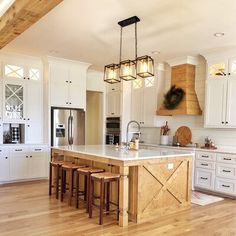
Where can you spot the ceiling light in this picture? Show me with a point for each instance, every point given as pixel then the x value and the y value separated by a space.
pixel 219 34
pixel 129 69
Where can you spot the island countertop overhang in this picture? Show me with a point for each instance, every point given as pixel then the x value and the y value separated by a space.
pixel 121 157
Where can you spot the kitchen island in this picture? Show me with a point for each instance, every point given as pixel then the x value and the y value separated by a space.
pixel 153 183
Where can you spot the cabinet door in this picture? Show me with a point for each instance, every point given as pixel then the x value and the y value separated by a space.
pixel 33 133
pixel 4 165
pixel 136 105
pixel 1 100
pixel 18 166
pixel 205 178
pixel 231 104
pixel 37 165
pixel 215 106
pixel 14 101
pixel 232 67
pixel 59 86
pixel 113 104
pixel 77 87
pixel 149 105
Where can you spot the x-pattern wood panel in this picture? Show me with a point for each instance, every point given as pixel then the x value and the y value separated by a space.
pixel 160 184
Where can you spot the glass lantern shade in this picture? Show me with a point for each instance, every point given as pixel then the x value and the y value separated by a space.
pixel 128 70
pixel 145 66
pixel 111 73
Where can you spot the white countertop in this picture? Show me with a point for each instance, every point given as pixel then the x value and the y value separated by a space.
pixel 111 152
pixel 220 149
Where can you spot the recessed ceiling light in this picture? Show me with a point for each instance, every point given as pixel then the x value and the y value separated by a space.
pixel 155 52
pixel 219 34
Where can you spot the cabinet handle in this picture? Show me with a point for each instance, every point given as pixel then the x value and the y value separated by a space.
pixel 113 89
pixel 112 113
pixel 28 125
pixel 202 164
pixel 6 157
pixel 0 150
pixel 205 156
pixel 225 186
pixel 203 178
pixel 37 149
pixel 226 171
pixel 227 159
pixel 18 150
pixel 28 78
pixel 26 156
pixel 30 156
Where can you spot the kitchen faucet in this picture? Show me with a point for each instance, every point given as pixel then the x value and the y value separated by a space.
pixel 127 130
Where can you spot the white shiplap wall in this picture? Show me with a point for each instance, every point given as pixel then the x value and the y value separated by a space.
pixel 222 137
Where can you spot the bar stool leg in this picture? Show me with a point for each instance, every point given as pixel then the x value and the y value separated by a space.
pixel 88 183
pixel 85 188
pixel 57 181
pixel 91 190
pixel 62 184
pixel 108 198
pixel 70 186
pixel 50 179
pixel 101 201
pixel 77 191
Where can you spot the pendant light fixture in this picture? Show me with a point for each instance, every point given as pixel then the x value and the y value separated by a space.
pixel 129 69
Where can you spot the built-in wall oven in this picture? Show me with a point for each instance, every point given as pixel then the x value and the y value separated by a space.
pixel 113 130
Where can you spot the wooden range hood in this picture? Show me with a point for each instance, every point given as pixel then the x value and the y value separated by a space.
pixel 183 76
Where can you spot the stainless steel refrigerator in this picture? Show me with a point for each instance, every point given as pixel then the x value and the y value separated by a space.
pixel 67 127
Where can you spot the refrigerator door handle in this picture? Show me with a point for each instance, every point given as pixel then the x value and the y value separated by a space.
pixel 69 130
pixel 71 133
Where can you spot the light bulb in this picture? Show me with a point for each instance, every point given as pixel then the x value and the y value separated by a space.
pixel 144 67
pixel 126 70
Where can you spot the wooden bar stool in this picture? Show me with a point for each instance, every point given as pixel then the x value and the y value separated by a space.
pixel 86 172
pixel 56 166
pixel 70 169
pixel 105 179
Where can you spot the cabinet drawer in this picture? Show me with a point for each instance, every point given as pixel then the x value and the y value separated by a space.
pixel 206 156
pixel 225 186
pixel 226 158
pixel 19 150
pixel 226 170
pixel 204 178
pixel 205 164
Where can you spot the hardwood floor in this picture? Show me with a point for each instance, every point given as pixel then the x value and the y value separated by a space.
pixel 26 209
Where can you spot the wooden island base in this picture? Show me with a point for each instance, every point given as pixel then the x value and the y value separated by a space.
pixel 148 188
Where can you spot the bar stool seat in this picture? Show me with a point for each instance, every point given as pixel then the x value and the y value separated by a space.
pixel 105 179
pixel 56 164
pixel 86 172
pixel 70 168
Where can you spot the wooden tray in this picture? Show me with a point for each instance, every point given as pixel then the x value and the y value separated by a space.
pixel 184 135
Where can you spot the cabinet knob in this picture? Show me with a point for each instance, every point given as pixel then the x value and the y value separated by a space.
pixel 229 73
pixel 226 122
pixel 66 102
pixel 70 82
pixel 6 157
pixel 28 125
pixel 70 103
pixel 28 78
pixel 30 156
pixel 24 78
pixel 24 119
pixel 222 122
pixel 66 81
pixel 26 156
pixel 28 119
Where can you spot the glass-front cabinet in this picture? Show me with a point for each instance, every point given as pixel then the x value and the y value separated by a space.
pixel 222 68
pixel 14 101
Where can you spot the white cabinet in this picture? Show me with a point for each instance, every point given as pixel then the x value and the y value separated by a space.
pixel 113 104
pixel 4 165
pixel 220 108
pixel 1 100
pixel 144 101
pixel 216 172
pixel 68 83
pixel 28 163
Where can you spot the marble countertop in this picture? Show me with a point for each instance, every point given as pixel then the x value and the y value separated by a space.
pixel 111 152
pixel 220 149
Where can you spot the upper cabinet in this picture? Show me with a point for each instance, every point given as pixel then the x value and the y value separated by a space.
pixel 220 106
pixel 144 101
pixel 113 99
pixel 67 83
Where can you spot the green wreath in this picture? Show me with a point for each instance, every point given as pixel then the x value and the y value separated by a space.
pixel 173 97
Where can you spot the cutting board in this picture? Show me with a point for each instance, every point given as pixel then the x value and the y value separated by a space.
pixel 184 135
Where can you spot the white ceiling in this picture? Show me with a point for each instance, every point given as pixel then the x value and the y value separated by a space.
pixel 87 30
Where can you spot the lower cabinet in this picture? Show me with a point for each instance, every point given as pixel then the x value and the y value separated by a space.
pixel 216 172
pixel 21 163
pixel 4 165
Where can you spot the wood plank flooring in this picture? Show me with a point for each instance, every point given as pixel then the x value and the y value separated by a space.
pixel 26 209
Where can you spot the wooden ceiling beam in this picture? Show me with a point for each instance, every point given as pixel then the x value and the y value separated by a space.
pixel 21 15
